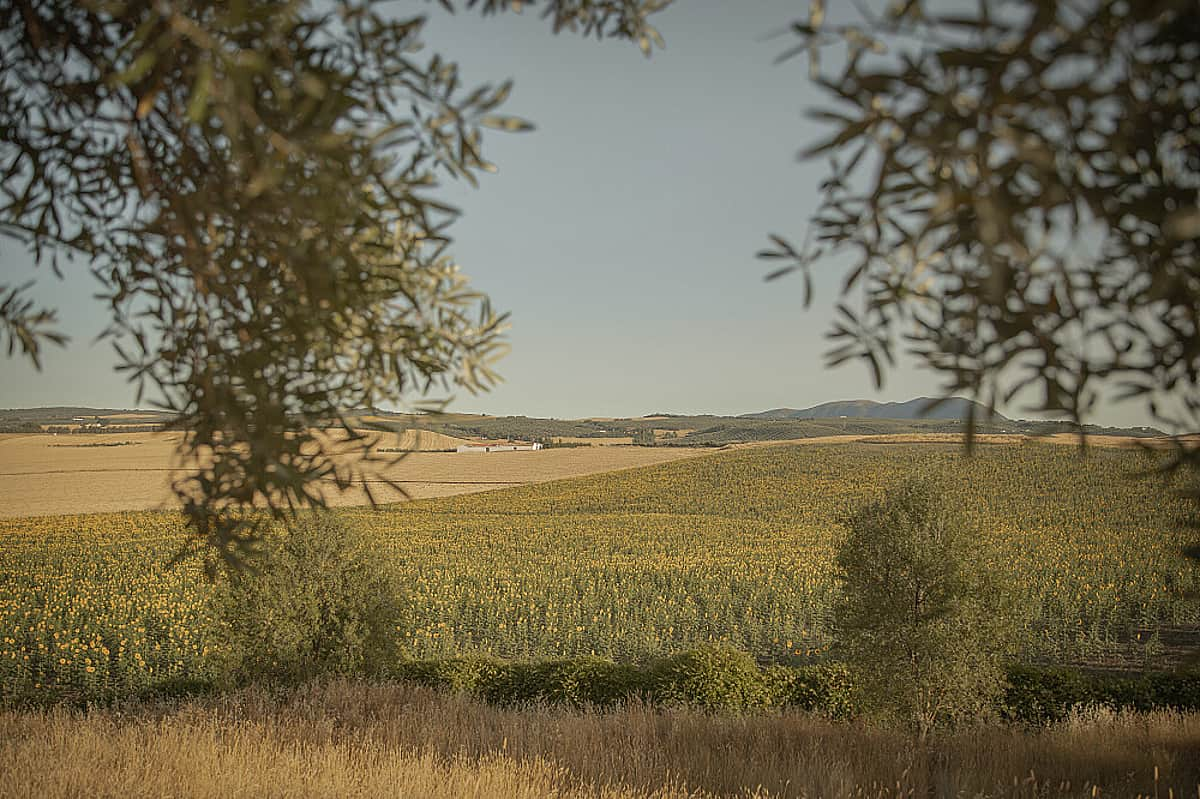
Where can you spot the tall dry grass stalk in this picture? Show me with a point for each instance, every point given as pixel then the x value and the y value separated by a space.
pixel 355 739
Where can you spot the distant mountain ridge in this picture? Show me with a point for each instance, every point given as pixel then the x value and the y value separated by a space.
pixel 956 408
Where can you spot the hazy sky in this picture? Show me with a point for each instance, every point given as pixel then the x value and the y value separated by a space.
pixel 620 234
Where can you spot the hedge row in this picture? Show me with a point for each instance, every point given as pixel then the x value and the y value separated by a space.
pixel 1049 694
pixel 712 678
pixel 724 679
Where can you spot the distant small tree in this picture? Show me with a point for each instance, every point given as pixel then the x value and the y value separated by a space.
pixel 643 437
pixel 923 626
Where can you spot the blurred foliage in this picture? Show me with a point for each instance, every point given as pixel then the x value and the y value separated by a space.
pixel 26 326
pixel 255 187
pixel 1016 186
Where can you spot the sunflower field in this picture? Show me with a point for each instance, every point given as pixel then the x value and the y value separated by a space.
pixel 731 547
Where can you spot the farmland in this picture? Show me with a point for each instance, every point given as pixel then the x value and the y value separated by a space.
pixel 733 546
pixel 45 474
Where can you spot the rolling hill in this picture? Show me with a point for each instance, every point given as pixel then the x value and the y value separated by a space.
pixel 955 408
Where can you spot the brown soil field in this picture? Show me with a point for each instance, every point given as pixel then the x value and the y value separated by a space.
pixel 47 474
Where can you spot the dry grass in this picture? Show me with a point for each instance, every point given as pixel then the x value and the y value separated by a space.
pixel 99 759
pixel 38 477
pixel 351 739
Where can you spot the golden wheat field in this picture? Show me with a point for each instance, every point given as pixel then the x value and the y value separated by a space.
pixel 81 473
pixel 733 547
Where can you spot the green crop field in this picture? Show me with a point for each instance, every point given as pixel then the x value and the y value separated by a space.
pixel 734 546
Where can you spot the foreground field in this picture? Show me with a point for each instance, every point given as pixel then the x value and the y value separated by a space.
pixel 358 740
pixel 732 547
pixel 47 474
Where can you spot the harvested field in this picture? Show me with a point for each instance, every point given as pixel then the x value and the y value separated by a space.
pixel 37 477
pixel 418 441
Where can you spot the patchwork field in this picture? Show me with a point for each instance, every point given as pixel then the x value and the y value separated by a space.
pixel 733 546
pixel 81 473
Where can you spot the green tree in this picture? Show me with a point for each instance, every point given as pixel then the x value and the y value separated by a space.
pixel 1015 188
pixel 921 622
pixel 255 186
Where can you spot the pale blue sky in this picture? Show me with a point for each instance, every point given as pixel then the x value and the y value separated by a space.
pixel 620 234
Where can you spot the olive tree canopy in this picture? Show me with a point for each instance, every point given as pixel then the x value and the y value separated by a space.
pixel 255 186
pixel 1016 187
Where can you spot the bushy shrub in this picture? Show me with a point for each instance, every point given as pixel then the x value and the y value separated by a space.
pixel 713 677
pixel 579 682
pixel 316 600
pixel 590 681
pixel 452 674
pixel 826 689
pixel 1045 694
pixel 1178 691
